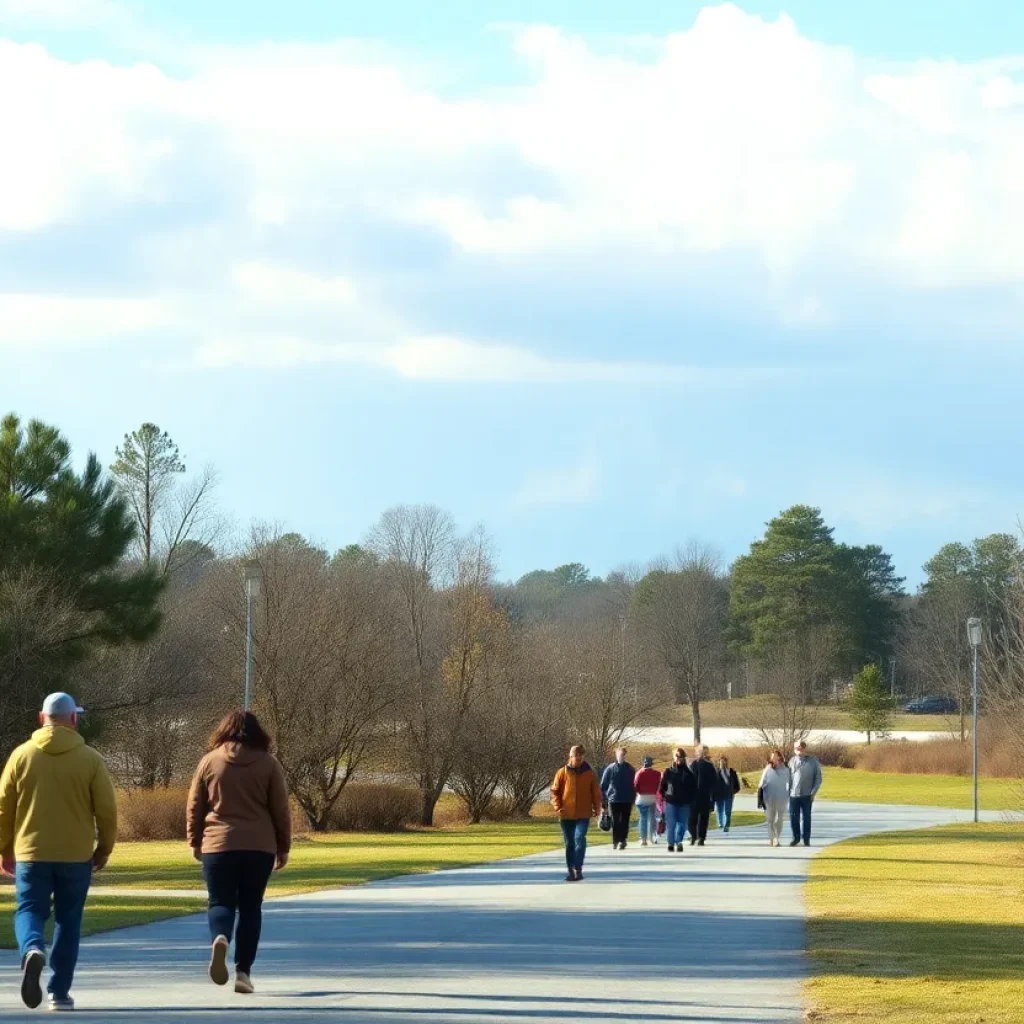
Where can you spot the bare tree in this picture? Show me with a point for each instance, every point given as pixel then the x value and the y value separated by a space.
pixel 450 629
pixel 682 613
pixel 323 666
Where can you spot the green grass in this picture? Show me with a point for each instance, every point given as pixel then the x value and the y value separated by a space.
pixel 741 712
pixel 318 862
pixel 921 927
pixel 850 784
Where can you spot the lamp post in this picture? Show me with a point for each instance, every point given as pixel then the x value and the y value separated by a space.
pixel 252 574
pixel 974 634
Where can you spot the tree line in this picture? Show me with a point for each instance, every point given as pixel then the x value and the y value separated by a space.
pixel 403 656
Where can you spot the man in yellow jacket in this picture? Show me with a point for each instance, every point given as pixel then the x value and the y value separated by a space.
pixel 576 796
pixel 58 823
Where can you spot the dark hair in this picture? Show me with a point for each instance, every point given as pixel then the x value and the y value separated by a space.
pixel 240 727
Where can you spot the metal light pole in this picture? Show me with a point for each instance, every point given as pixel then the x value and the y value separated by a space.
pixel 974 634
pixel 253 575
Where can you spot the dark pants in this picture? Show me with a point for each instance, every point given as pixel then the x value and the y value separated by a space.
pixel 800 807
pixel 700 815
pixel 236 881
pixel 574 832
pixel 36 883
pixel 620 821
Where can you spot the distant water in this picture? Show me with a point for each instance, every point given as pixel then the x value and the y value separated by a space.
pixel 729 737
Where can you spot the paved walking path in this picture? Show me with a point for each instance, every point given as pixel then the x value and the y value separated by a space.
pixel 714 934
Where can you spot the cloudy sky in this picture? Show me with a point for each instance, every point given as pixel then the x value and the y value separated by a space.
pixel 604 280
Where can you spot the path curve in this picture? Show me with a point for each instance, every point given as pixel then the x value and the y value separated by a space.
pixel 715 934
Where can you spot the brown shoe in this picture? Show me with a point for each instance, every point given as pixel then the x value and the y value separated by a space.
pixel 243 983
pixel 219 961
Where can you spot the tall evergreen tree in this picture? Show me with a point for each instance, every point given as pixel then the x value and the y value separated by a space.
pixel 63 538
pixel 144 469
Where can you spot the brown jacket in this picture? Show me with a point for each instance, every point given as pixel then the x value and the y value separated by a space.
pixel 239 801
pixel 576 793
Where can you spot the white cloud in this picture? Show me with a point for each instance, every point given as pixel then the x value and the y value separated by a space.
pixel 266 283
pixel 572 485
pixel 441 358
pixel 37 320
pixel 737 136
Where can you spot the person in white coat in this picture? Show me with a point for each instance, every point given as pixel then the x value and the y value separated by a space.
pixel 773 789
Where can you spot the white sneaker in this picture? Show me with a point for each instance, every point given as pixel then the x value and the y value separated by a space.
pixel 219 961
pixel 62 1005
pixel 243 983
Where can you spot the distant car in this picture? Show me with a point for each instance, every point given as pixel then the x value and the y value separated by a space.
pixel 931 706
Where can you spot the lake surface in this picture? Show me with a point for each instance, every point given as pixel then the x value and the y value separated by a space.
pixel 731 736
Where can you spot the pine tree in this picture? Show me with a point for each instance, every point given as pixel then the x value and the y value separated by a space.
pixel 144 469
pixel 870 706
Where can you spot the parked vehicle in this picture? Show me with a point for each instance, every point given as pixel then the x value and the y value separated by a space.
pixel 931 706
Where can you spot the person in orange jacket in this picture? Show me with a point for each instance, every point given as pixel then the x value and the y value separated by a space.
pixel 576 796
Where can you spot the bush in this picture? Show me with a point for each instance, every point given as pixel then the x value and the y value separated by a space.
pixel 998 754
pixel 367 807
pixel 834 753
pixel 149 814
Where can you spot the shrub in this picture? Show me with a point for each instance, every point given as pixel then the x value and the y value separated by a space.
pixel 369 807
pixel 148 814
pixel 834 753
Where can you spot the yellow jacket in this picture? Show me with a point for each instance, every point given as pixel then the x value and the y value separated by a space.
pixel 57 802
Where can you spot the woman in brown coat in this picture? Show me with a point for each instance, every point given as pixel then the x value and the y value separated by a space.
pixel 239 828
pixel 576 796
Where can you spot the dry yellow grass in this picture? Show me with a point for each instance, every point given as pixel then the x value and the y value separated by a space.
pixel 921 927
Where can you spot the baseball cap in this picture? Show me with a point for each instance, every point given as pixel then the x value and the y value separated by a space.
pixel 61 705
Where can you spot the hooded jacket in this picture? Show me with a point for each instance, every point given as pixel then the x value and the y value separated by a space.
pixel 575 792
pixel 239 801
pixel 57 803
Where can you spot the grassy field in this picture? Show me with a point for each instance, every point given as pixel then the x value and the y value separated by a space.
pixel 739 713
pixel 919 927
pixel 319 862
pixel 852 785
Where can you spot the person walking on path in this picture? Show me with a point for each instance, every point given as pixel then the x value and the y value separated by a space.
pixel 619 791
pixel 727 785
pixel 804 783
pixel 576 797
pixel 677 790
pixel 646 786
pixel 239 828
pixel 58 824
pixel 705 780
pixel 774 792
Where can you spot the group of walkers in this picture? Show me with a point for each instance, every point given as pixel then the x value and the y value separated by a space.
pixel 678 800
pixel 58 826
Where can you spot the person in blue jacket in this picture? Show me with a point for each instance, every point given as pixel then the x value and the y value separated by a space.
pixel 619 792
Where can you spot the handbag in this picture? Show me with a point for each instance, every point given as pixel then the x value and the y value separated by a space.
pixel 604 823
pixel 760 798
pixel 660 828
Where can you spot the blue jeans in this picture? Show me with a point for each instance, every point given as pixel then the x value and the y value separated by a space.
pixel 723 812
pixel 800 806
pixel 36 883
pixel 574 832
pixel 648 820
pixel 236 881
pixel 676 820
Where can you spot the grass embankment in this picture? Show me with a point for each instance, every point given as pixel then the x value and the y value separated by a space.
pixel 921 927
pixel 744 713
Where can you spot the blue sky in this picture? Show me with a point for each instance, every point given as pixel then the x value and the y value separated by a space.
pixel 605 280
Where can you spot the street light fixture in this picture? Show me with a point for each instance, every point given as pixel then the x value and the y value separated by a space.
pixel 975 636
pixel 253 573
